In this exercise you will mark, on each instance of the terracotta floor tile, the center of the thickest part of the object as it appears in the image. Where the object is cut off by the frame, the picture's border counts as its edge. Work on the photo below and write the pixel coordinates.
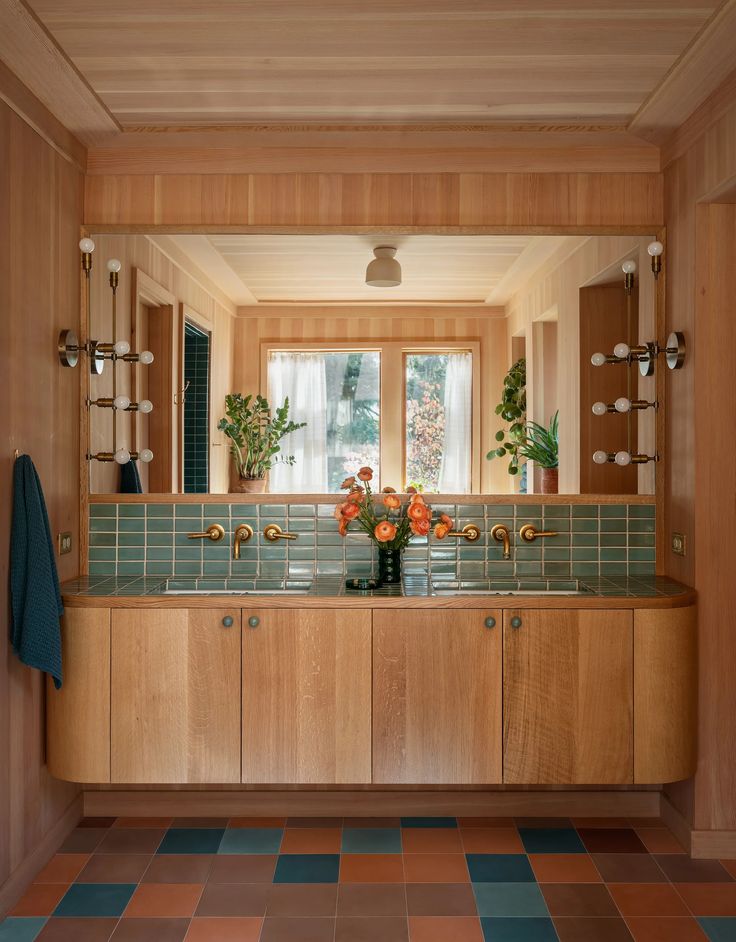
(648, 899)
(435, 868)
(601, 822)
(242, 868)
(611, 841)
(660, 841)
(666, 930)
(150, 930)
(195, 822)
(491, 841)
(542, 823)
(579, 899)
(114, 868)
(730, 866)
(143, 822)
(182, 868)
(62, 868)
(709, 899)
(371, 822)
(83, 840)
(238, 899)
(311, 841)
(629, 868)
(302, 899)
(485, 822)
(164, 900)
(431, 841)
(371, 899)
(257, 822)
(69, 929)
(592, 930)
(440, 899)
(314, 822)
(371, 929)
(564, 868)
(130, 841)
(40, 899)
(444, 928)
(298, 930)
(679, 868)
(371, 868)
(224, 929)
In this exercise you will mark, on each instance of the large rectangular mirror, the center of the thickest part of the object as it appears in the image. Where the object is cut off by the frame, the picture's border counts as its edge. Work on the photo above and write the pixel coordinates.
(473, 375)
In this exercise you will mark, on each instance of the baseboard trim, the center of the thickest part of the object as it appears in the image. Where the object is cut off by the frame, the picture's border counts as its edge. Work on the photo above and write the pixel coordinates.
(700, 844)
(24, 874)
(676, 822)
(124, 803)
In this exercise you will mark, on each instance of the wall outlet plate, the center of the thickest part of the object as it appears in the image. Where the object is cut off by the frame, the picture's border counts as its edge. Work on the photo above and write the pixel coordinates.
(679, 544)
(64, 541)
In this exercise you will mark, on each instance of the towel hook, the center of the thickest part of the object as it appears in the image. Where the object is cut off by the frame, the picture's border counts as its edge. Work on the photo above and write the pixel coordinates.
(16, 455)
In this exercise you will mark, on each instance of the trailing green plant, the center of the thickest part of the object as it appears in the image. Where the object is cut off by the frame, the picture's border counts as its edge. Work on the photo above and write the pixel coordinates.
(255, 434)
(542, 443)
(512, 410)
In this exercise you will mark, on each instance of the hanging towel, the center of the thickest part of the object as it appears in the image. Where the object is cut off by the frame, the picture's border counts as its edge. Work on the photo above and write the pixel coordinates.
(35, 595)
(130, 480)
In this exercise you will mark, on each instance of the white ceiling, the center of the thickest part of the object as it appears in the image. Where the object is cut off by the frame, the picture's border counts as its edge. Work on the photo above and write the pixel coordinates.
(258, 269)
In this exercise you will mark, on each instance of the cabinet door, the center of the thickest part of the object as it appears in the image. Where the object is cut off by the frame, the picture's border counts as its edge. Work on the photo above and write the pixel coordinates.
(568, 697)
(307, 696)
(175, 704)
(436, 697)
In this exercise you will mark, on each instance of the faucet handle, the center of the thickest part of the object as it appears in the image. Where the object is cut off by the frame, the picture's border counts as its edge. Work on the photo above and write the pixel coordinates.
(529, 533)
(273, 532)
(243, 532)
(214, 532)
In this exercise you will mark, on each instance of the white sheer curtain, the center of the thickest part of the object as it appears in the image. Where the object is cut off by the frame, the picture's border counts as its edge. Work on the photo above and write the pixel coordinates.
(455, 469)
(301, 377)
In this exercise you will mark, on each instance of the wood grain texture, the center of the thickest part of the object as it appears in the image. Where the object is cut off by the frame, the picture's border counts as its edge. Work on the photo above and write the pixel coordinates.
(665, 695)
(40, 214)
(568, 698)
(436, 698)
(78, 715)
(307, 697)
(175, 696)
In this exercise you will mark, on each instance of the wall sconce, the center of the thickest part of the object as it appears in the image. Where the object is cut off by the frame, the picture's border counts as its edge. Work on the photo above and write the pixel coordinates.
(623, 405)
(629, 269)
(622, 458)
(122, 455)
(645, 354)
(655, 250)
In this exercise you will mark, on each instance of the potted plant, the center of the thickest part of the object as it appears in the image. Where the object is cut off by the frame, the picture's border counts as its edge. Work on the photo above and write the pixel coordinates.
(512, 410)
(389, 523)
(542, 447)
(255, 437)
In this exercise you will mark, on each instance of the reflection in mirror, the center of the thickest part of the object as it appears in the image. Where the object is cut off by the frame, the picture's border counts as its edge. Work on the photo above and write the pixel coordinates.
(471, 375)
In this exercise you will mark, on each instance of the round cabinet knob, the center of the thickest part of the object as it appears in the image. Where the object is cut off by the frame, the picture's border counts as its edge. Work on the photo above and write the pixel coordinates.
(254, 621)
(227, 621)
(490, 622)
(516, 622)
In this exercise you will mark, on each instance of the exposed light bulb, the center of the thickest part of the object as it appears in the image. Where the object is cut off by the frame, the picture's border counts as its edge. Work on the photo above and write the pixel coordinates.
(146, 455)
(623, 404)
(122, 456)
(600, 457)
(599, 408)
(121, 347)
(145, 405)
(86, 245)
(121, 402)
(598, 359)
(146, 358)
(629, 267)
(114, 264)
(655, 249)
(621, 350)
(622, 458)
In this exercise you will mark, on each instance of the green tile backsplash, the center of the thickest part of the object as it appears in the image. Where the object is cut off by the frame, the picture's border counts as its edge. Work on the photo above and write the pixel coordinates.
(151, 539)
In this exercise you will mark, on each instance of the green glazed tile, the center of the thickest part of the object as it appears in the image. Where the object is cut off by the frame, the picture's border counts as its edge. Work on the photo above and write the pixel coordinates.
(187, 525)
(188, 510)
(641, 569)
(641, 555)
(301, 524)
(468, 510)
(585, 539)
(272, 552)
(470, 553)
(613, 554)
(244, 567)
(585, 554)
(585, 510)
(99, 568)
(102, 524)
(613, 525)
(103, 510)
(158, 568)
(131, 568)
(272, 510)
(533, 551)
(307, 552)
(159, 553)
(529, 510)
(613, 569)
(641, 526)
(159, 539)
(556, 553)
(218, 510)
(103, 539)
(500, 511)
(641, 539)
(529, 569)
(131, 539)
(613, 539)
(131, 510)
(556, 569)
(131, 525)
(130, 552)
(332, 553)
(584, 570)
(302, 510)
(556, 511)
(216, 568)
(159, 524)
(586, 524)
(500, 570)
(160, 510)
(329, 539)
(642, 510)
(102, 553)
(215, 551)
(613, 510)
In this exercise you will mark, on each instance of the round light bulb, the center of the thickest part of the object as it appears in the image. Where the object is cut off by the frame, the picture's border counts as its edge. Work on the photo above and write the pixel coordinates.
(623, 404)
(598, 359)
(145, 405)
(621, 350)
(599, 408)
(655, 248)
(121, 347)
(600, 457)
(122, 456)
(114, 264)
(622, 458)
(146, 358)
(146, 455)
(121, 402)
(86, 245)
(629, 267)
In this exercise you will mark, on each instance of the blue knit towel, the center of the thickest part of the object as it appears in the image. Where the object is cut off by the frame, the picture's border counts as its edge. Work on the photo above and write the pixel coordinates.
(35, 595)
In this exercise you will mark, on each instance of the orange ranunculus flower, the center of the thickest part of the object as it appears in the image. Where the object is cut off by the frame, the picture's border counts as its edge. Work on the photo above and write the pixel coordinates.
(385, 531)
(342, 527)
(388, 490)
(350, 510)
(337, 512)
(447, 520)
(366, 474)
(417, 511)
(348, 483)
(420, 527)
(417, 499)
(441, 530)
(390, 500)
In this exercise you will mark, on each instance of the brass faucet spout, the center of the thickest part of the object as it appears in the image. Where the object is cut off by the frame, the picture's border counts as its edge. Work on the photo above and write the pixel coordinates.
(500, 534)
(242, 534)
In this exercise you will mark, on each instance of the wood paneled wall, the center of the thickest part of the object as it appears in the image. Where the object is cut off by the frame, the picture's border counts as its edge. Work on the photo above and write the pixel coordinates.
(40, 214)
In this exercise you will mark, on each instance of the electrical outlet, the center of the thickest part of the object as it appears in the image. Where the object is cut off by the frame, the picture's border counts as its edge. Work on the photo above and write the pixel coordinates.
(64, 541)
(679, 544)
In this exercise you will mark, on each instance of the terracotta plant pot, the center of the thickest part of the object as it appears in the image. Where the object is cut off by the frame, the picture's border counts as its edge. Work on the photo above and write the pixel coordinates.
(548, 480)
(250, 486)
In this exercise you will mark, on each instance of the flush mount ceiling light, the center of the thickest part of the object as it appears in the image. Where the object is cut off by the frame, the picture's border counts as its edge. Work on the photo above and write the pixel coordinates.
(384, 271)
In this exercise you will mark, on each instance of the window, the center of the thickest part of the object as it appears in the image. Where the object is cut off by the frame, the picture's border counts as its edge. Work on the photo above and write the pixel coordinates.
(406, 411)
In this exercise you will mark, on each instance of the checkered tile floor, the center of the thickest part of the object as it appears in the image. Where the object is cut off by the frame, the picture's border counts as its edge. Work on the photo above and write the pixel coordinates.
(375, 880)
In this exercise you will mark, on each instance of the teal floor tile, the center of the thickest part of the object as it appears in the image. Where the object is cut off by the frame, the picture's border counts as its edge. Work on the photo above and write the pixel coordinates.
(251, 841)
(95, 899)
(519, 930)
(371, 841)
(429, 822)
(551, 841)
(717, 928)
(509, 900)
(307, 868)
(21, 929)
(191, 841)
(499, 868)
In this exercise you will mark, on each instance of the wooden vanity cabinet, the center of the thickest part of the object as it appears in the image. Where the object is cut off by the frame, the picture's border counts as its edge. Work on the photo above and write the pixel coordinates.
(436, 697)
(175, 696)
(568, 697)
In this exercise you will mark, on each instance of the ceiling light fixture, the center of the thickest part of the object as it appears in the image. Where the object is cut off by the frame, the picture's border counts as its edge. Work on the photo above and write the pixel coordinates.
(384, 271)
